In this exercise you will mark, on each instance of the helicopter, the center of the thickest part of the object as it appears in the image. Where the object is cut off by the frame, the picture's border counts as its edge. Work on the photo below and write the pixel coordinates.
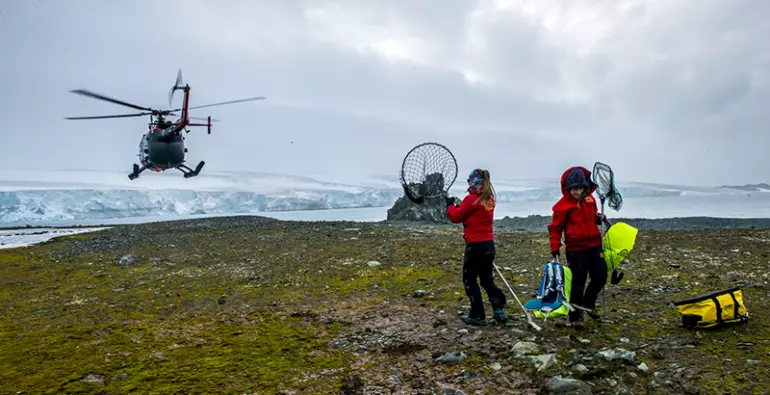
(162, 147)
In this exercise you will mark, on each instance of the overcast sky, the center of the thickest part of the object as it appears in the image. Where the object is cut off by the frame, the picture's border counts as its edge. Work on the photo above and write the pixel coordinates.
(666, 91)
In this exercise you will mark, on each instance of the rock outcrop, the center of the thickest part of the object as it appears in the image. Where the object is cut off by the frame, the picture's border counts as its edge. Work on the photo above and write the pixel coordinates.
(430, 210)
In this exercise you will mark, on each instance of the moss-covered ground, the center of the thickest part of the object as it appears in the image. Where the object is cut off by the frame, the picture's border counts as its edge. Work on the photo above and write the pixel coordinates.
(249, 305)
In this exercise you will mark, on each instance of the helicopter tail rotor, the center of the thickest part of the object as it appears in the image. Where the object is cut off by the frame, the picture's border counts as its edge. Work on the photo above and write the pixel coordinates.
(203, 124)
(177, 85)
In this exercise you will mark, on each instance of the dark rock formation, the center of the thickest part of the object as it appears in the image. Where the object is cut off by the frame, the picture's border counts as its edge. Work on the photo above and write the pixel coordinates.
(430, 210)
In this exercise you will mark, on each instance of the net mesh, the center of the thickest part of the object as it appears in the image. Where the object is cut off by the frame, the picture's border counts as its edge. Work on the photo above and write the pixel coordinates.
(428, 171)
(605, 181)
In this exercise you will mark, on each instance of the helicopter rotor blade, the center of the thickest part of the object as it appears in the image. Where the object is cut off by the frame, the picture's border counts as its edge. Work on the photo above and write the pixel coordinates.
(109, 99)
(226, 102)
(113, 116)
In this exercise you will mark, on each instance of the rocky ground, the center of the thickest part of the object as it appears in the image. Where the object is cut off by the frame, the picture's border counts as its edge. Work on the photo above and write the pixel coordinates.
(258, 306)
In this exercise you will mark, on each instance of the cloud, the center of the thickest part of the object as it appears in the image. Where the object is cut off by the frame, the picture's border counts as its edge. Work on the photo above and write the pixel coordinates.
(667, 91)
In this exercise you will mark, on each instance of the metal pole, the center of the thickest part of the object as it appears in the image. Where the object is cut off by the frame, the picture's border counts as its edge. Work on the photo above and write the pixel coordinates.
(604, 288)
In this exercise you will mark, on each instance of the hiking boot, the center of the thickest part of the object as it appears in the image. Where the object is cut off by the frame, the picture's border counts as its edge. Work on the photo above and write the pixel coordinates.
(474, 321)
(593, 315)
(499, 316)
(577, 321)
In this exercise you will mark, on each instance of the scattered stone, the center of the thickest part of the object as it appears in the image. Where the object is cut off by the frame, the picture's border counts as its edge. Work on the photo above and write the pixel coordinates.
(93, 378)
(419, 293)
(439, 322)
(664, 289)
(617, 354)
(644, 369)
(496, 366)
(753, 361)
(130, 259)
(462, 331)
(352, 385)
(580, 368)
(624, 340)
(521, 349)
(542, 362)
(119, 376)
(373, 263)
(450, 358)
(451, 391)
(583, 341)
(558, 385)
(673, 263)
(518, 332)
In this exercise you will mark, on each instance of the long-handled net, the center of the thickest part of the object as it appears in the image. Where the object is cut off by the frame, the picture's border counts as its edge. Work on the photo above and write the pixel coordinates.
(428, 171)
(604, 179)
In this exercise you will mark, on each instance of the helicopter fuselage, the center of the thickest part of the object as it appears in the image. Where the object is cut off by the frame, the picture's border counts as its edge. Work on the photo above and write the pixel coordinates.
(162, 149)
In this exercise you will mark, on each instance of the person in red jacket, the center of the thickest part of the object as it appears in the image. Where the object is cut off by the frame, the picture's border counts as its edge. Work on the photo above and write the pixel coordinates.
(476, 212)
(576, 215)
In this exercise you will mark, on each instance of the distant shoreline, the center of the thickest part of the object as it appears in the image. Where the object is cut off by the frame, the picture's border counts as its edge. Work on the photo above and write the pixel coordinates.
(61, 226)
(536, 223)
(532, 223)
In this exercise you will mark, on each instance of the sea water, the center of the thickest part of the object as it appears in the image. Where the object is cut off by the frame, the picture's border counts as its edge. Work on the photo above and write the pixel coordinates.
(722, 206)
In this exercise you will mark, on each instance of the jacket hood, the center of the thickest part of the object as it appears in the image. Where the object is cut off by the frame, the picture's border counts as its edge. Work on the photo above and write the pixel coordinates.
(591, 185)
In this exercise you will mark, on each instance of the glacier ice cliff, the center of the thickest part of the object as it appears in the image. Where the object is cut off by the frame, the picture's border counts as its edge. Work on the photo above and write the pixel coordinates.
(32, 205)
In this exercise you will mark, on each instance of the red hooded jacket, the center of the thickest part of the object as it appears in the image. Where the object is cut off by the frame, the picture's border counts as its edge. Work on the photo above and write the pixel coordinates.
(477, 219)
(577, 223)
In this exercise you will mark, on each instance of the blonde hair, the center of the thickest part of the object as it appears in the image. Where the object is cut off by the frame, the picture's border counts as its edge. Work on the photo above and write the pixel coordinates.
(487, 196)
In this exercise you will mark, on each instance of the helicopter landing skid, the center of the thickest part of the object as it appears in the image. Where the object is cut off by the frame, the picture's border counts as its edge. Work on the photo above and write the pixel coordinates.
(136, 172)
(188, 172)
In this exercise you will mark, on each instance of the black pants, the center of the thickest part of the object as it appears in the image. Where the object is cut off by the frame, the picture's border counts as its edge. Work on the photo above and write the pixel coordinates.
(583, 264)
(477, 262)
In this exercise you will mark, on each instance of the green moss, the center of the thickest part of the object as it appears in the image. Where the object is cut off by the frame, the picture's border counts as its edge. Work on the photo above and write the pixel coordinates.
(68, 310)
(259, 352)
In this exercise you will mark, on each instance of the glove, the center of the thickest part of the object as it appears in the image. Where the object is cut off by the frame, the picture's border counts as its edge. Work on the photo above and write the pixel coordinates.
(450, 201)
(600, 218)
(616, 277)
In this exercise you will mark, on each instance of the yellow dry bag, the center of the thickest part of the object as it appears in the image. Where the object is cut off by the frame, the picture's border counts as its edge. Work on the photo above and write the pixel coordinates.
(713, 309)
(618, 243)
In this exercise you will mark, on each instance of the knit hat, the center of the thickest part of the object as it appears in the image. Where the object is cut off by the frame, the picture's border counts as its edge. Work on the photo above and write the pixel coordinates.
(575, 179)
(476, 180)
